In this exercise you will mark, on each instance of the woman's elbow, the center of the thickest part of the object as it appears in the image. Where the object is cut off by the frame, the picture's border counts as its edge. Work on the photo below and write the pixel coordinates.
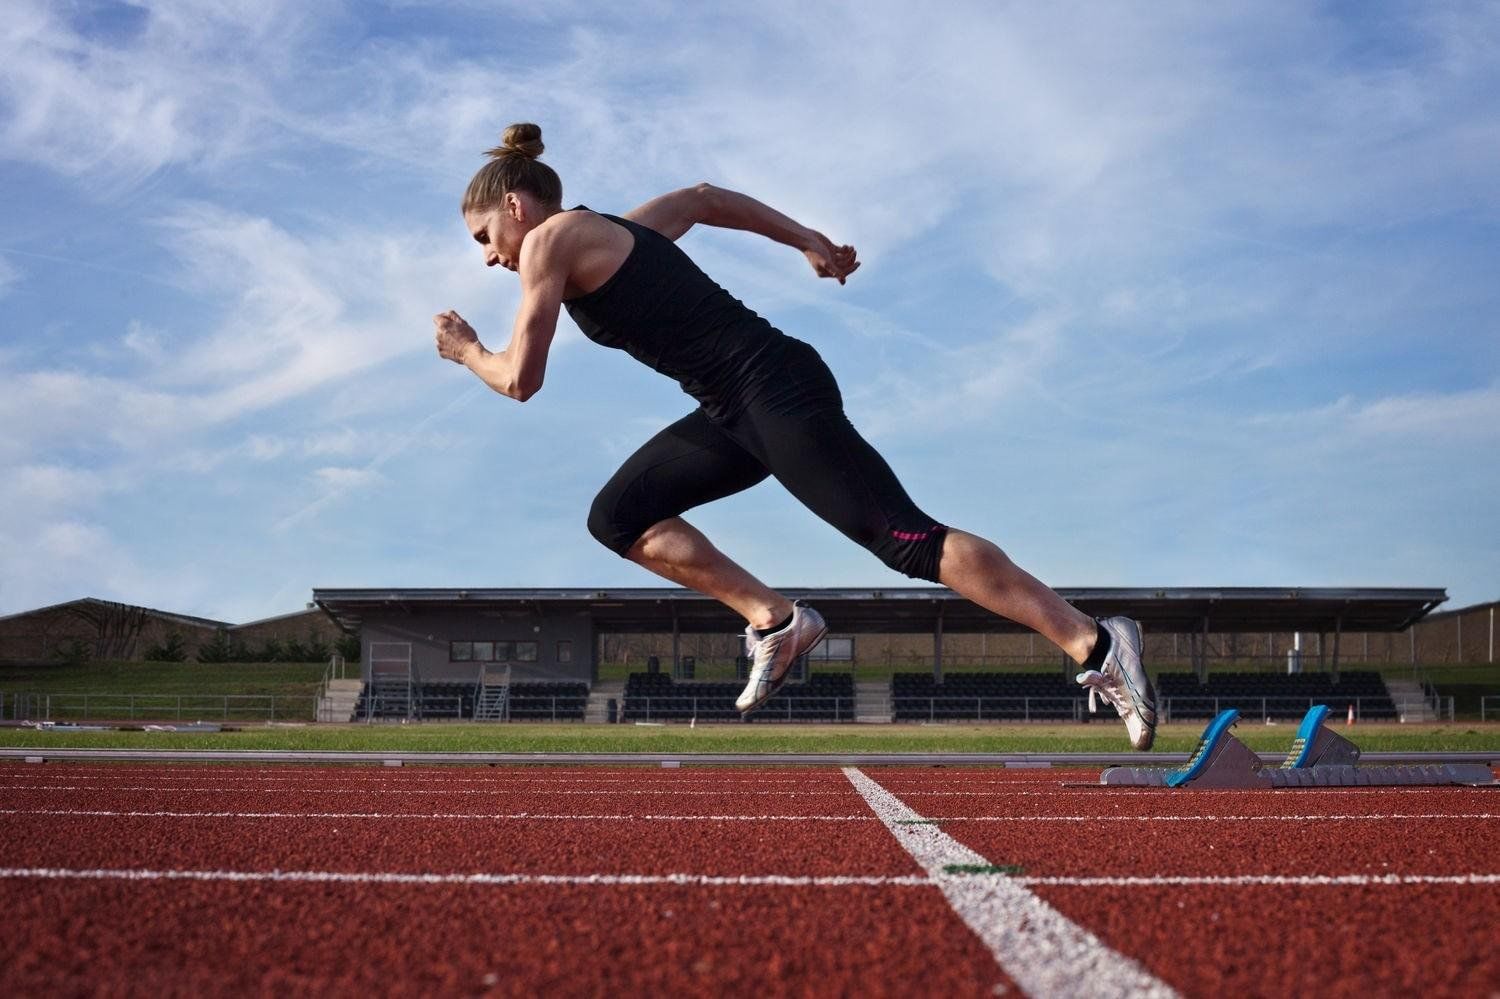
(706, 199)
(524, 389)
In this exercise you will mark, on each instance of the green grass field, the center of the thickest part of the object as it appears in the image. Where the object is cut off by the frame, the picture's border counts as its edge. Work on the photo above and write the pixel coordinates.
(766, 738)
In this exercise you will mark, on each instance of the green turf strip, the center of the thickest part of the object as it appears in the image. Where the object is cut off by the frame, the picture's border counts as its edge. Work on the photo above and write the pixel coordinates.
(1011, 869)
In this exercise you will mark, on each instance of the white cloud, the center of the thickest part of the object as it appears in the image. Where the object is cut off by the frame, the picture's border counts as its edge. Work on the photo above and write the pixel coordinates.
(190, 85)
(336, 477)
(10, 276)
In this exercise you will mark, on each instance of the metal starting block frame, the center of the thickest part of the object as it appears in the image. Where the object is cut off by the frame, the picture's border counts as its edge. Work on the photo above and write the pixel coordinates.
(1319, 757)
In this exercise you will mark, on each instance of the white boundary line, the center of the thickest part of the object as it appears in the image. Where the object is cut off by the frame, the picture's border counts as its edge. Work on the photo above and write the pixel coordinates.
(1268, 880)
(1038, 947)
(412, 775)
(720, 881)
(657, 817)
(396, 877)
(1055, 791)
(476, 816)
(345, 789)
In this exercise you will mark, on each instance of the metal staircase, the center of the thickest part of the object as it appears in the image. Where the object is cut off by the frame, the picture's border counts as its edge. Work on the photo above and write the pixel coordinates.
(872, 702)
(493, 703)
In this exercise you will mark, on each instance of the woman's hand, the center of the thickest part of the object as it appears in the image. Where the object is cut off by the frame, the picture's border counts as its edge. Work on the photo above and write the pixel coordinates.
(455, 337)
(829, 260)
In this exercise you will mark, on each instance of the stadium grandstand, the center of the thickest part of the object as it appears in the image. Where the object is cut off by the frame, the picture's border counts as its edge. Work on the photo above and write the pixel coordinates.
(911, 654)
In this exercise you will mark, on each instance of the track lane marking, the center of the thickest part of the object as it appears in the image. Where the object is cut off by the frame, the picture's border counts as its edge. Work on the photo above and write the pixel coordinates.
(396, 877)
(165, 813)
(1055, 792)
(1040, 949)
(323, 776)
(1265, 880)
(488, 816)
(744, 880)
(719, 792)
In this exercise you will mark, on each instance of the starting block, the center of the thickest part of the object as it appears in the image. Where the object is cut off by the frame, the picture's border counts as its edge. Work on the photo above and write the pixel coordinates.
(1319, 757)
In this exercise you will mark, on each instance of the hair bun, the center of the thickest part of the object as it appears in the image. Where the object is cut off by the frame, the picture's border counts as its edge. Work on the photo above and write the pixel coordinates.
(520, 139)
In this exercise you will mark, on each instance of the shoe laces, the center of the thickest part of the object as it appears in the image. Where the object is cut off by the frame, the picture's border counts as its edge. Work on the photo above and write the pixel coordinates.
(1100, 685)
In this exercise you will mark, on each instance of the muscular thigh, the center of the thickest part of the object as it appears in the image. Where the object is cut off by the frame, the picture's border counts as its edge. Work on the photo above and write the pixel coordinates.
(831, 469)
(690, 463)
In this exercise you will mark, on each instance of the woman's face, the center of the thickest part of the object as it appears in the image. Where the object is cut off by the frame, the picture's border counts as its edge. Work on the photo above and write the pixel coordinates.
(500, 229)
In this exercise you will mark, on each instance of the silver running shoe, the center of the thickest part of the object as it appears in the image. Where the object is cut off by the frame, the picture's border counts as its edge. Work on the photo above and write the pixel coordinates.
(771, 657)
(1123, 682)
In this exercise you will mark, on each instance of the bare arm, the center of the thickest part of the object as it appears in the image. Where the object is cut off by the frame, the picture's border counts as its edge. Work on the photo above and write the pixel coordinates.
(518, 370)
(674, 214)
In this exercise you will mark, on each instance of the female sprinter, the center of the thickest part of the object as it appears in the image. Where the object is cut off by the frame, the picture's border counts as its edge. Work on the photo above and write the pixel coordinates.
(767, 405)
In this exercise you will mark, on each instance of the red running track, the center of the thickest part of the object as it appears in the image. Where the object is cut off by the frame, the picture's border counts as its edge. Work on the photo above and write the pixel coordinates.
(130, 879)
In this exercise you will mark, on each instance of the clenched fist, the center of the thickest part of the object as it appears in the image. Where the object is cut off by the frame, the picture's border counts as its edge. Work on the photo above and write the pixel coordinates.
(455, 337)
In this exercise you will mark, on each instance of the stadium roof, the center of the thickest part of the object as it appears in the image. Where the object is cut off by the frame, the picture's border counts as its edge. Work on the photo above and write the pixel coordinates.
(918, 609)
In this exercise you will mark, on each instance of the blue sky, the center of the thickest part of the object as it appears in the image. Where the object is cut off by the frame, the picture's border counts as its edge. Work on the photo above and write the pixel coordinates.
(1153, 294)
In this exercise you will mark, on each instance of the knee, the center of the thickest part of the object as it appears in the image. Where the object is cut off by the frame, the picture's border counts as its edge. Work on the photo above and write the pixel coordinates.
(917, 554)
(606, 525)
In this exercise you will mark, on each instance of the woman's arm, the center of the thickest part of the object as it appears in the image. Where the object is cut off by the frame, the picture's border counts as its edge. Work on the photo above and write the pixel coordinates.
(518, 370)
(674, 214)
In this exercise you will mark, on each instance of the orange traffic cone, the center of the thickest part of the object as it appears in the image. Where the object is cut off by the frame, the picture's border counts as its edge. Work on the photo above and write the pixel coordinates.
(1350, 719)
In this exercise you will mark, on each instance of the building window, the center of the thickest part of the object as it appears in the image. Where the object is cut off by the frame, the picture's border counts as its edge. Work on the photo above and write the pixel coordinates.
(832, 650)
(564, 651)
(505, 651)
(484, 652)
(526, 652)
(461, 652)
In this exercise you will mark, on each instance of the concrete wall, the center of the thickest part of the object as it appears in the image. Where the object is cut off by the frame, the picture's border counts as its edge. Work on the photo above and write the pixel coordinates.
(429, 633)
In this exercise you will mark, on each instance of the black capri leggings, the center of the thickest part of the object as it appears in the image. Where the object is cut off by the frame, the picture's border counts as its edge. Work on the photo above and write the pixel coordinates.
(794, 429)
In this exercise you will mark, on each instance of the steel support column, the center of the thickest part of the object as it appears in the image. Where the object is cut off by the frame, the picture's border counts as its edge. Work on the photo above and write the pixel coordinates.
(937, 646)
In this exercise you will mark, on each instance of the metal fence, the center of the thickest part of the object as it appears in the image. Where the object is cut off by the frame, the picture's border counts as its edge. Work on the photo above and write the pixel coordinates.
(1191, 708)
(152, 707)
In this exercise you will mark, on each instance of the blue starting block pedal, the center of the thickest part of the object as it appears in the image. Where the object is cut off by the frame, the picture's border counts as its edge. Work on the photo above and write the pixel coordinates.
(1220, 761)
(1316, 746)
(1319, 757)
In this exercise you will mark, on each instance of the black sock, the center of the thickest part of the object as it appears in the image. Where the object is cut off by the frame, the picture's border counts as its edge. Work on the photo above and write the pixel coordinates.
(1101, 649)
(763, 632)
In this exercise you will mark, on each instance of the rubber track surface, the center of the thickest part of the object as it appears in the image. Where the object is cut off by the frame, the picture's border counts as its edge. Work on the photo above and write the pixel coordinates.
(873, 927)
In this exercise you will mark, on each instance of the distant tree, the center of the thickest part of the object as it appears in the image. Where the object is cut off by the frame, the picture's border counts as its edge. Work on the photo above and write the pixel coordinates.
(218, 649)
(272, 652)
(173, 650)
(348, 646)
(75, 652)
(317, 648)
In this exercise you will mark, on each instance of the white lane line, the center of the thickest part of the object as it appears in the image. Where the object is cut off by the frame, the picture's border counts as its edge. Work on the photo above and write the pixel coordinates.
(478, 816)
(167, 813)
(104, 776)
(1366, 817)
(716, 792)
(1257, 880)
(718, 881)
(344, 788)
(388, 877)
(1038, 947)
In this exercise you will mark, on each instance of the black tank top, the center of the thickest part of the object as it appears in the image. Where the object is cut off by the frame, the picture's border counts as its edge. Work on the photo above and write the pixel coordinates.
(661, 309)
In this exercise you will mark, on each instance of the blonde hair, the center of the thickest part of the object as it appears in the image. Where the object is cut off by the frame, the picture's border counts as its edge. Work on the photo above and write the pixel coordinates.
(514, 166)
